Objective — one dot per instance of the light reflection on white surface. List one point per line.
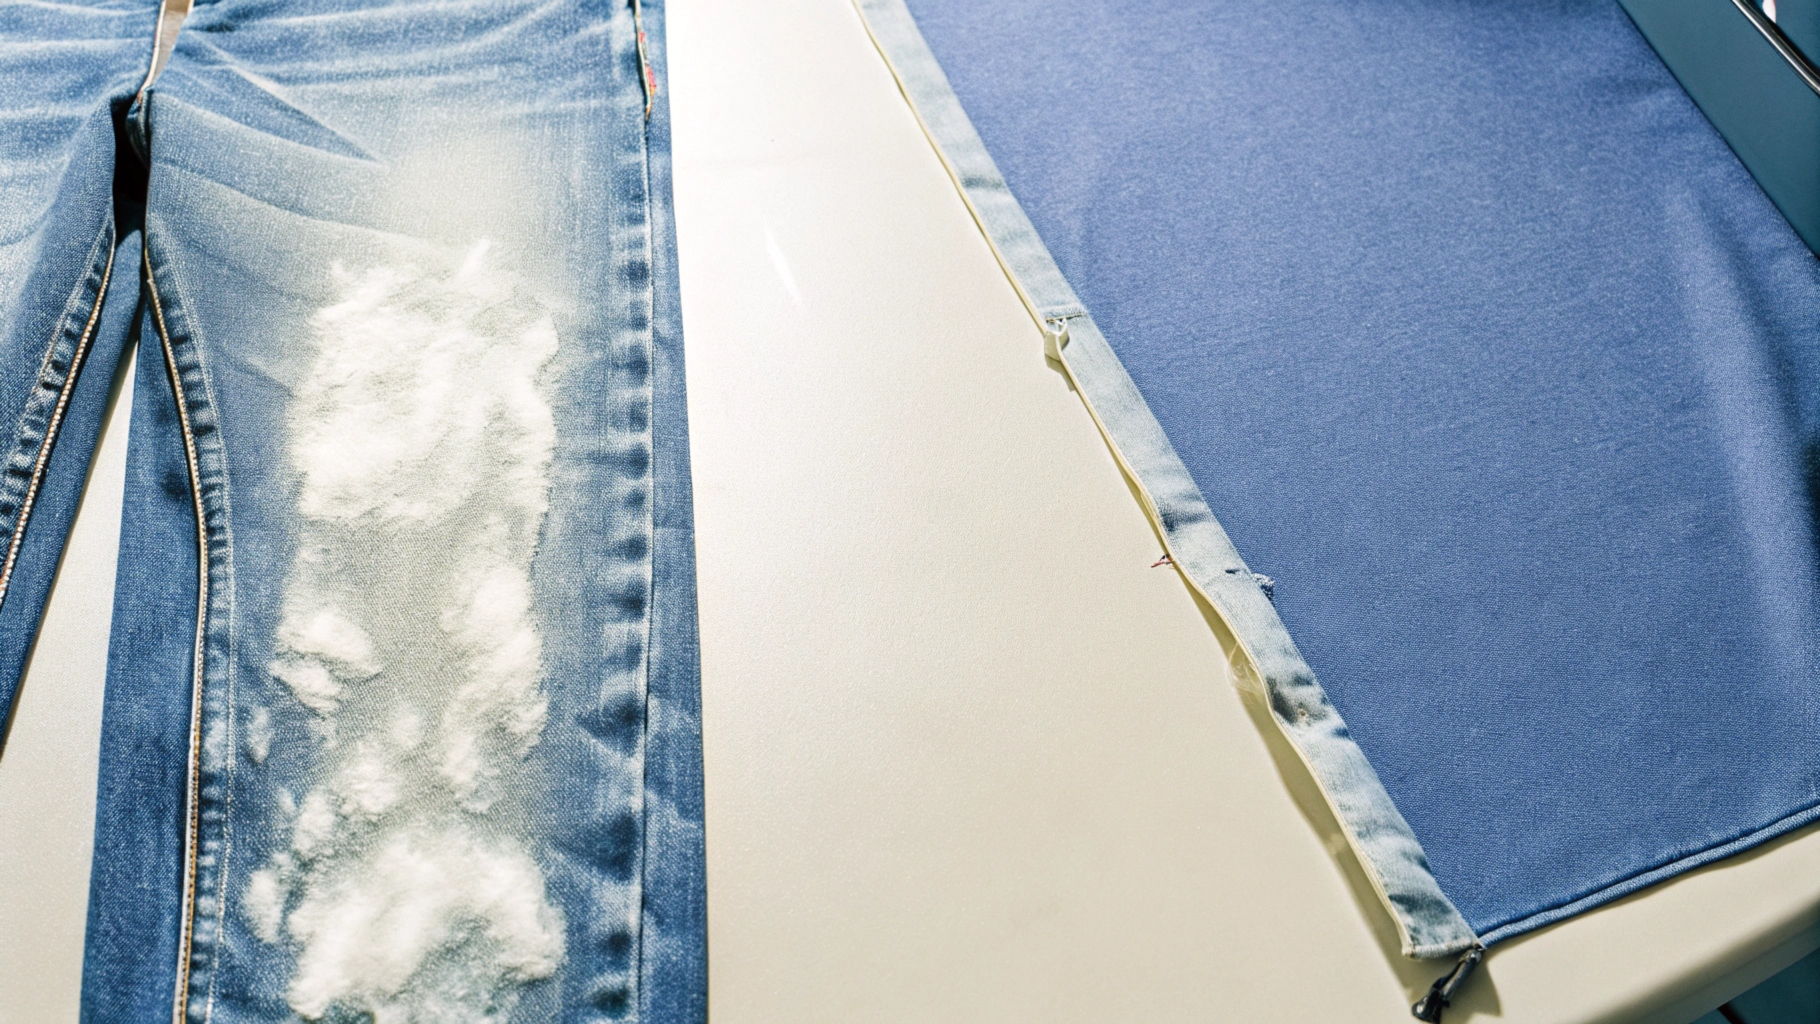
(782, 265)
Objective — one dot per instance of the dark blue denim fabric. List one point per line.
(65, 71)
(402, 716)
(1480, 343)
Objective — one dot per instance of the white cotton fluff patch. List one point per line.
(368, 785)
(422, 444)
(423, 372)
(313, 832)
(265, 904)
(499, 708)
(328, 635)
(259, 735)
(310, 681)
(431, 927)
(322, 649)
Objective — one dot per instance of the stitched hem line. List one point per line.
(1660, 873)
(1427, 922)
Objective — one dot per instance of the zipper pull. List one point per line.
(1430, 1006)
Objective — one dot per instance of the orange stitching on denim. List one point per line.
(647, 75)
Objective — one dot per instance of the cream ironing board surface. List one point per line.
(969, 757)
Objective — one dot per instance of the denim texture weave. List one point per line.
(402, 709)
(1483, 346)
(1427, 923)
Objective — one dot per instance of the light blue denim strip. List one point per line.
(1429, 924)
(1022, 253)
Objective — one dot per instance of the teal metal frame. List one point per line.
(1752, 79)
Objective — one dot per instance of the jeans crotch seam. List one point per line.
(42, 462)
(192, 801)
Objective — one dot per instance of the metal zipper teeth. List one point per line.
(192, 802)
(56, 423)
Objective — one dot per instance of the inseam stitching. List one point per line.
(56, 421)
(225, 535)
(650, 531)
(186, 933)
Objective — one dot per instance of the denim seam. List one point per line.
(51, 429)
(215, 673)
(648, 83)
(1646, 877)
(221, 591)
(629, 539)
(1393, 860)
(667, 989)
(192, 803)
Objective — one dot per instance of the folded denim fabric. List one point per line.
(1469, 376)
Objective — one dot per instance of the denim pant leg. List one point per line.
(402, 703)
(69, 236)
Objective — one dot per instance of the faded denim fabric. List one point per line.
(402, 711)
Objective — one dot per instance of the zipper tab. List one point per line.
(1430, 1006)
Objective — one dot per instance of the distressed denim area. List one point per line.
(402, 704)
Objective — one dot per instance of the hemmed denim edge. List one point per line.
(1644, 879)
(1427, 922)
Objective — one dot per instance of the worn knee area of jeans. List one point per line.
(421, 440)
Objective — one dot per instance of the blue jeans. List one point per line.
(402, 714)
